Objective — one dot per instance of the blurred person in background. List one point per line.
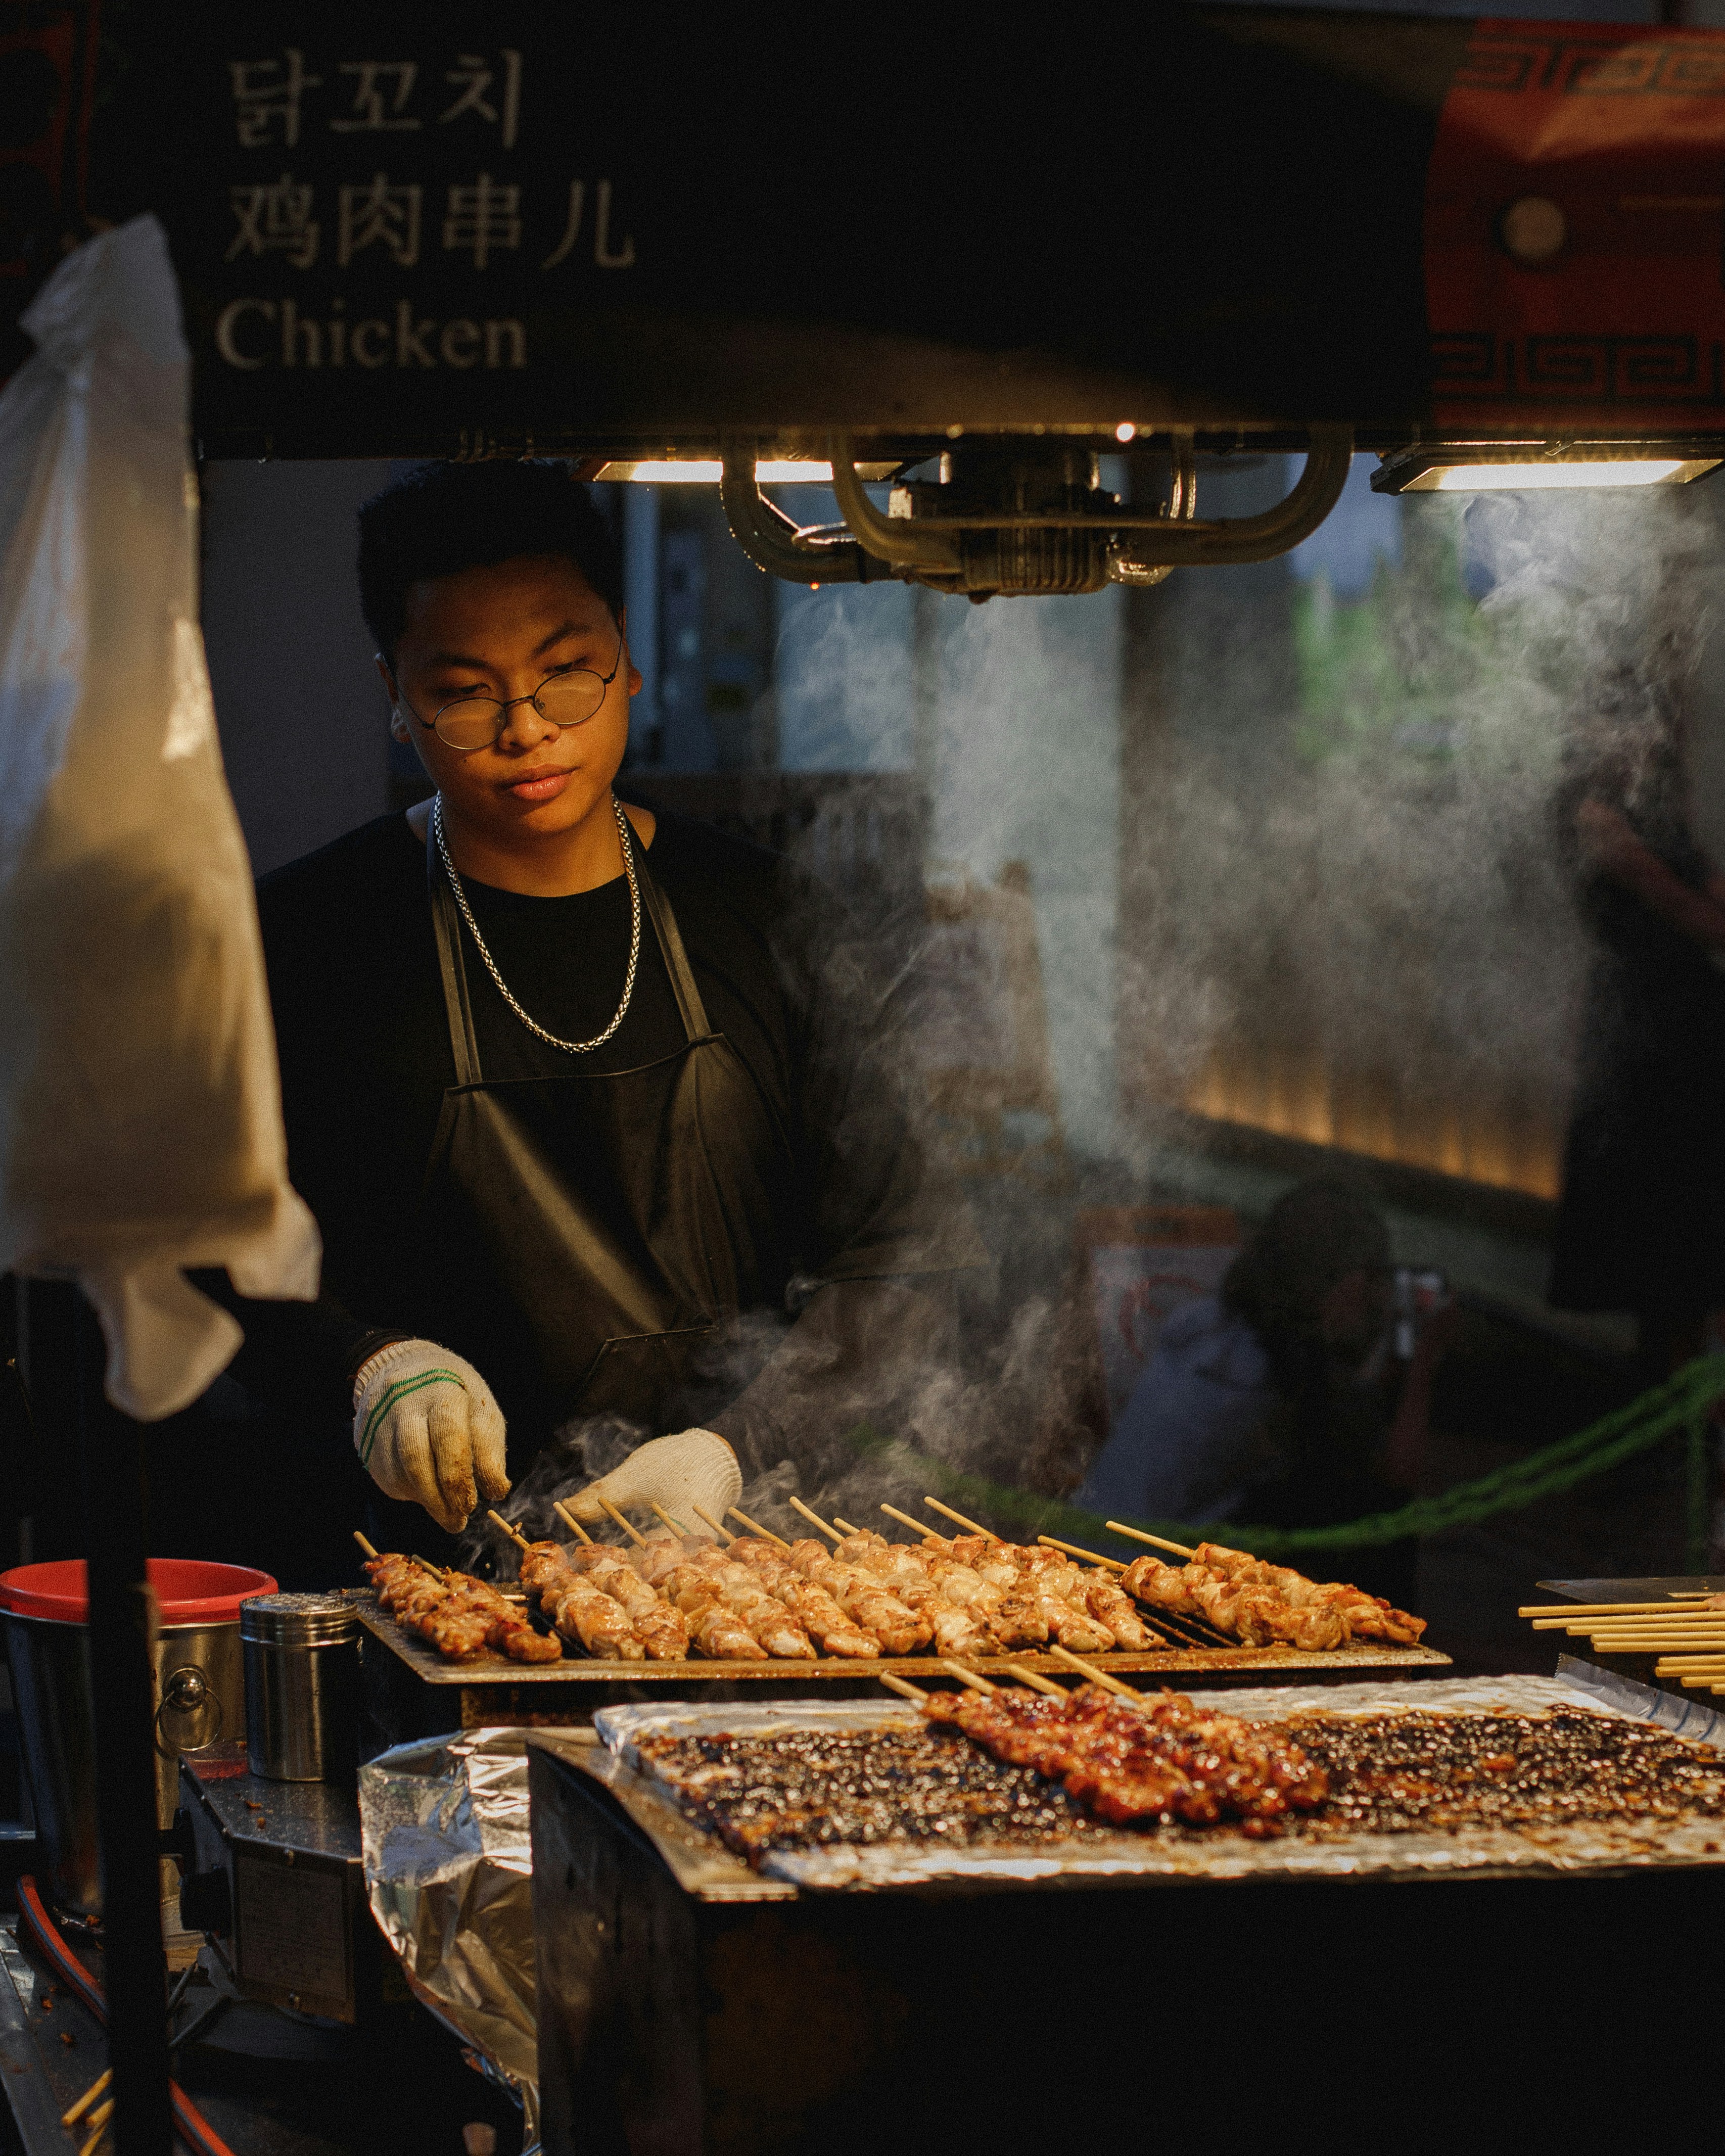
(1641, 1226)
(1279, 1401)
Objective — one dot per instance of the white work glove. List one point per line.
(426, 1427)
(694, 1467)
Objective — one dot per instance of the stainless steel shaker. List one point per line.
(301, 1687)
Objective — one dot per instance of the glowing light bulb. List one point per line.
(1125, 431)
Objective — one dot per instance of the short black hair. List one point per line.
(440, 518)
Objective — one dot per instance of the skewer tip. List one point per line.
(754, 1527)
(569, 1519)
(363, 1544)
(814, 1519)
(1095, 1676)
(970, 1527)
(515, 1535)
(634, 1533)
(1156, 1541)
(913, 1692)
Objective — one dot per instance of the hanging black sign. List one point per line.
(412, 228)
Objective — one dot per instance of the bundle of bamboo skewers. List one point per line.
(1685, 1633)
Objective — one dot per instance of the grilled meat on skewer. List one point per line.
(1253, 1615)
(1105, 1601)
(1134, 1763)
(874, 1607)
(824, 1622)
(421, 1602)
(1366, 1616)
(956, 1631)
(746, 1594)
(723, 1636)
(582, 1612)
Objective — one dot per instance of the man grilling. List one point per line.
(587, 1101)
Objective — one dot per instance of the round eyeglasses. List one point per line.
(566, 699)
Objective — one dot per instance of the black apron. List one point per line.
(590, 1237)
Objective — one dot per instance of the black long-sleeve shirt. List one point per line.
(365, 1058)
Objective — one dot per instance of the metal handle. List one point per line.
(1229, 540)
(187, 1689)
(1182, 508)
(806, 554)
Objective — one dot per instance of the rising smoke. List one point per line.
(1296, 862)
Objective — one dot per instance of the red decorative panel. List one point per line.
(1621, 327)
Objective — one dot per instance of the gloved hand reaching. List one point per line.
(694, 1467)
(426, 1427)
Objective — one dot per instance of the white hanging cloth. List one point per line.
(140, 1109)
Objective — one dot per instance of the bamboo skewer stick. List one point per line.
(1036, 1682)
(906, 1691)
(846, 1525)
(1678, 1605)
(635, 1534)
(754, 1527)
(970, 1527)
(1672, 1632)
(676, 1526)
(515, 1535)
(569, 1519)
(1659, 1643)
(99, 2121)
(1095, 1676)
(1709, 1638)
(969, 1677)
(814, 1519)
(93, 2094)
(904, 1519)
(724, 1534)
(363, 1544)
(1156, 1541)
(1090, 1557)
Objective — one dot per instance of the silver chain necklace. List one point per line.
(626, 838)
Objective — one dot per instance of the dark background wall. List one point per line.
(303, 719)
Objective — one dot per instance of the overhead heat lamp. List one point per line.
(1005, 515)
(1516, 467)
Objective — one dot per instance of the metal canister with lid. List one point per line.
(301, 1687)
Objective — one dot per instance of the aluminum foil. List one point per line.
(449, 1873)
(1215, 1853)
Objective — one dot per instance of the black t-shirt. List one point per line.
(365, 1055)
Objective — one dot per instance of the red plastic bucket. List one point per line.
(188, 1590)
(200, 1691)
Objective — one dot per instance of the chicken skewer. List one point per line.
(461, 1617)
(1139, 1762)
(1045, 1596)
(1366, 1616)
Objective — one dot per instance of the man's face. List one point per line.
(499, 632)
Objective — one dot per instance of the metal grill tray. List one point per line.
(1147, 1859)
(1242, 1663)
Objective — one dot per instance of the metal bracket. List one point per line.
(801, 554)
(932, 547)
(1231, 541)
